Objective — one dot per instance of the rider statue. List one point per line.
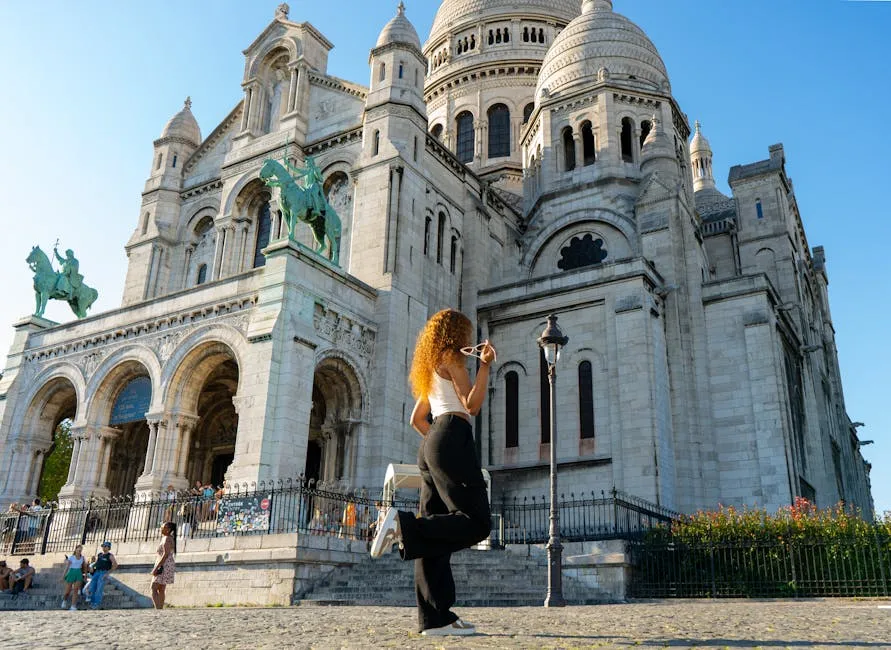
(312, 183)
(70, 279)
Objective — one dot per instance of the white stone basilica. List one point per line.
(528, 159)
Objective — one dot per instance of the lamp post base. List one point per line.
(554, 597)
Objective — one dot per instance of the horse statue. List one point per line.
(66, 284)
(307, 204)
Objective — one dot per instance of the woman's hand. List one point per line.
(487, 356)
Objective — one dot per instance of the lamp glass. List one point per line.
(552, 353)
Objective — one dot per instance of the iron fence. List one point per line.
(583, 518)
(787, 567)
(301, 507)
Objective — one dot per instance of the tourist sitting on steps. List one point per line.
(22, 578)
(5, 573)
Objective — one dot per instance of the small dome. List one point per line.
(183, 125)
(601, 39)
(399, 30)
(699, 143)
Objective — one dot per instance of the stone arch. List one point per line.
(622, 227)
(195, 354)
(252, 201)
(507, 366)
(61, 371)
(119, 367)
(273, 50)
(340, 408)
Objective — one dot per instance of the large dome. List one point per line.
(601, 39)
(452, 13)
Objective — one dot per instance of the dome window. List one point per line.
(436, 131)
(173, 164)
(581, 252)
(401, 69)
(464, 148)
(627, 140)
(589, 156)
(499, 131)
(758, 209)
(541, 38)
(376, 144)
(568, 150)
(527, 112)
(383, 72)
(202, 274)
(525, 34)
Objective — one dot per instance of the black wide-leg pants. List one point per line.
(454, 515)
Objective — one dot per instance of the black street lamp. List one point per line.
(551, 341)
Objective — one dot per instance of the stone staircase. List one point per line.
(47, 589)
(492, 578)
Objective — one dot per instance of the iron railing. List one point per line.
(302, 507)
(784, 567)
(583, 518)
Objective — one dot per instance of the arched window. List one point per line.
(264, 229)
(544, 399)
(202, 274)
(145, 223)
(568, 150)
(525, 34)
(436, 131)
(758, 209)
(440, 236)
(401, 69)
(464, 149)
(497, 35)
(527, 112)
(541, 38)
(473, 41)
(627, 131)
(588, 150)
(511, 409)
(506, 35)
(499, 131)
(383, 72)
(376, 144)
(458, 47)
(453, 254)
(586, 401)
(491, 37)
(427, 224)
(645, 127)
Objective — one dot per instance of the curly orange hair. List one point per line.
(441, 340)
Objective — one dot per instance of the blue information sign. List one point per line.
(132, 402)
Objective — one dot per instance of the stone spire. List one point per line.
(701, 159)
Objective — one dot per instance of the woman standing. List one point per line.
(165, 567)
(454, 502)
(73, 577)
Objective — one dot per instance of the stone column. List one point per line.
(185, 426)
(189, 250)
(292, 89)
(246, 111)
(226, 255)
(218, 252)
(154, 478)
(106, 437)
(149, 465)
(579, 151)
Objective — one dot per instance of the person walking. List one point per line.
(165, 567)
(454, 507)
(73, 577)
(105, 563)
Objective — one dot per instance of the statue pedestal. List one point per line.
(24, 327)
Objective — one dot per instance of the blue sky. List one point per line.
(89, 85)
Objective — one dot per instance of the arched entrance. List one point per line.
(202, 412)
(44, 461)
(334, 421)
(117, 443)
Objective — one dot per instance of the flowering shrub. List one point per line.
(801, 521)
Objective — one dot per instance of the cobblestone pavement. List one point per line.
(675, 624)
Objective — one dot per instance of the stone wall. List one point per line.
(266, 570)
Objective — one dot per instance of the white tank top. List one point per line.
(76, 562)
(443, 398)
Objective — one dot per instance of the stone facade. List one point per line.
(511, 167)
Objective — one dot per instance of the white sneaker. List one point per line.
(64, 604)
(72, 609)
(387, 533)
(457, 628)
